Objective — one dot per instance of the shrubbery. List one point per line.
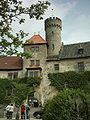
(69, 104)
(73, 99)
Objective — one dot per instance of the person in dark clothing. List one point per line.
(27, 111)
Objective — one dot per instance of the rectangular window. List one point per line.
(13, 75)
(38, 62)
(35, 73)
(80, 51)
(32, 49)
(81, 66)
(31, 74)
(32, 62)
(37, 48)
(52, 46)
(9, 75)
(56, 67)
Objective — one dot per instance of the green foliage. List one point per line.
(4, 87)
(69, 104)
(30, 81)
(33, 81)
(64, 102)
(12, 11)
(17, 116)
(23, 87)
(20, 94)
(69, 79)
(17, 90)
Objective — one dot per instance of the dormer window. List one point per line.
(80, 51)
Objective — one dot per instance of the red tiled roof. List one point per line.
(36, 39)
(11, 63)
(34, 67)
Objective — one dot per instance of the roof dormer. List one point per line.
(80, 50)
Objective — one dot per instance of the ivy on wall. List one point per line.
(69, 79)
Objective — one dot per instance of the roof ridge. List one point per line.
(77, 43)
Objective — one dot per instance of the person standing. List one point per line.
(23, 111)
(27, 111)
(8, 111)
(11, 111)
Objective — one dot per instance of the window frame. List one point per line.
(37, 48)
(80, 51)
(32, 62)
(38, 62)
(32, 49)
(81, 67)
(34, 73)
(56, 67)
(12, 75)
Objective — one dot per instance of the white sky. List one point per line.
(75, 16)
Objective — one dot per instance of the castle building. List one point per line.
(48, 56)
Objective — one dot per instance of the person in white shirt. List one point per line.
(8, 111)
(11, 111)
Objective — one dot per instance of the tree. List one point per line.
(11, 11)
(5, 90)
(69, 104)
(20, 93)
(23, 87)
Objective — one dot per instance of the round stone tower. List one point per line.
(53, 27)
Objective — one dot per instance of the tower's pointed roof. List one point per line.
(36, 39)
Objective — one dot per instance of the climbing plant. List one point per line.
(69, 79)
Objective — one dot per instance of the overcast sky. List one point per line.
(75, 16)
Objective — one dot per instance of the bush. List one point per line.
(17, 116)
(67, 105)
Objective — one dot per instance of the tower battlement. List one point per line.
(53, 22)
(53, 18)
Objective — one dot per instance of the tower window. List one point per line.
(53, 46)
(52, 32)
(81, 66)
